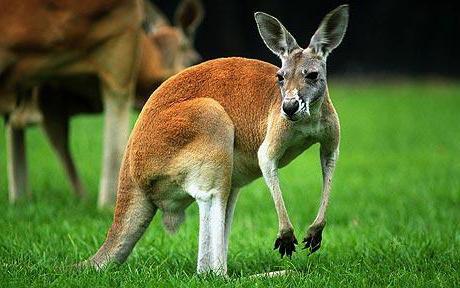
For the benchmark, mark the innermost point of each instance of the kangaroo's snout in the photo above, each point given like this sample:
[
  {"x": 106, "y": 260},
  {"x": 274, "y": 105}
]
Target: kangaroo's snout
[{"x": 290, "y": 107}]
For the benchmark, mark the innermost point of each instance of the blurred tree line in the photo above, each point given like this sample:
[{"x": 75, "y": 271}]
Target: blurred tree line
[{"x": 384, "y": 37}]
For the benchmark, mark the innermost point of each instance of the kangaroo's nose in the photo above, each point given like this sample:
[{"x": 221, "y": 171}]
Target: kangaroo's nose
[{"x": 290, "y": 106}]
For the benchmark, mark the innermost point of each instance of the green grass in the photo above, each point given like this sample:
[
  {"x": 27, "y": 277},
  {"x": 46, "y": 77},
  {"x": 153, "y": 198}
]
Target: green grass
[{"x": 394, "y": 217}]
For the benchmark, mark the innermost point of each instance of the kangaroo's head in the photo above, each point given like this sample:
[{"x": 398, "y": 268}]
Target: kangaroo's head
[
  {"x": 175, "y": 42},
  {"x": 302, "y": 77}
]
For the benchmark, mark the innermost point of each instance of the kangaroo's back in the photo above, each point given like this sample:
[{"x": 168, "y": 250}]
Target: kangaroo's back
[{"x": 245, "y": 88}]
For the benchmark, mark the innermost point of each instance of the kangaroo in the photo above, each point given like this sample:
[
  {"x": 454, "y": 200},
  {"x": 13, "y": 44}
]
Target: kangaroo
[
  {"x": 43, "y": 39},
  {"x": 213, "y": 128},
  {"x": 164, "y": 50},
  {"x": 167, "y": 48}
]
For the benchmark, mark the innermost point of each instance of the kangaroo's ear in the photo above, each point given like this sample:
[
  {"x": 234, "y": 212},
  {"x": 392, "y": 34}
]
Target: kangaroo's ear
[
  {"x": 153, "y": 18},
  {"x": 189, "y": 15},
  {"x": 330, "y": 32},
  {"x": 275, "y": 36}
]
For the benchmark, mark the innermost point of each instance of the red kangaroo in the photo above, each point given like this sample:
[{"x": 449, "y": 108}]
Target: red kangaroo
[{"x": 217, "y": 126}]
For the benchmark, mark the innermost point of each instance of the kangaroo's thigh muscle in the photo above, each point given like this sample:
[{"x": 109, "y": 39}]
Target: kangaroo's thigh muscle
[{"x": 191, "y": 135}]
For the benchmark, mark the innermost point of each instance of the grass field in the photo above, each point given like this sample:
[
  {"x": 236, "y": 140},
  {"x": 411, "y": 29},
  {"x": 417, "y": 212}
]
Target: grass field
[{"x": 394, "y": 217}]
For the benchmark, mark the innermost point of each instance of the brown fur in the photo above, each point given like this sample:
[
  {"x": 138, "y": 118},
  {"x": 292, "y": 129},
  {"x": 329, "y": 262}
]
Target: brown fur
[
  {"x": 45, "y": 40},
  {"x": 51, "y": 24},
  {"x": 245, "y": 97},
  {"x": 69, "y": 66}
]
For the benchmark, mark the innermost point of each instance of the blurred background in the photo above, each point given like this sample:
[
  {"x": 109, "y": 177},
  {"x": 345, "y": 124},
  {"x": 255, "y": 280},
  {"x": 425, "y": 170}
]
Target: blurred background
[{"x": 384, "y": 38}]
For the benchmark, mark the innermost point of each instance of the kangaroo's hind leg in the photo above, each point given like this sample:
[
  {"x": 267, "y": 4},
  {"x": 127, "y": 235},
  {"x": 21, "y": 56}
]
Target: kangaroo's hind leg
[
  {"x": 231, "y": 203},
  {"x": 208, "y": 162}
]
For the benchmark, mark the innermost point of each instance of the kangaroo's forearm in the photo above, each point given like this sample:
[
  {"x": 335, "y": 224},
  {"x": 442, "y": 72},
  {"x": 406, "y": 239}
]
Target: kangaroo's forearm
[
  {"x": 268, "y": 155},
  {"x": 328, "y": 161},
  {"x": 270, "y": 174}
]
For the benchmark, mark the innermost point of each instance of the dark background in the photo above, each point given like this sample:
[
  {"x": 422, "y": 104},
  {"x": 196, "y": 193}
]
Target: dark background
[{"x": 384, "y": 37}]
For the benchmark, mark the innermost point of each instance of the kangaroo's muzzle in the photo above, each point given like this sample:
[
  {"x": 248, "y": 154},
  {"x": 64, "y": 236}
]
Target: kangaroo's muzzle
[{"x": 290, "y": 107}]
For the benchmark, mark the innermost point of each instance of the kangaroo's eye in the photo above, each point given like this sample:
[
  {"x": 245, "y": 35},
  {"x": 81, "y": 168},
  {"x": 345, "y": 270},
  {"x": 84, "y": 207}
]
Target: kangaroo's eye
[
  {"x": 311, "y": 75},
  {"x": 280, "y": 78}
]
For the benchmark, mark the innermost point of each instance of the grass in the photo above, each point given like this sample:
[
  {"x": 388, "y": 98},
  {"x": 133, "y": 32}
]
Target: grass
[{"x": 394, "y": 218}]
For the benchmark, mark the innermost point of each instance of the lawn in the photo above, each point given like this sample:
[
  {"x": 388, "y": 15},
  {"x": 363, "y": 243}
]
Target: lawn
[{"x": 394, "y": 217}]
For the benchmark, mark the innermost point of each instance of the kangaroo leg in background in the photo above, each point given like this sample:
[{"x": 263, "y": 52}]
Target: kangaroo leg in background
[
  {"x": 117, "y": 96},
  {"x": 116, "y": 132},
  {"x": 56, "y": 126},
  {"x": 24, "y": 113},
  {"x": 16, "y": 162}
]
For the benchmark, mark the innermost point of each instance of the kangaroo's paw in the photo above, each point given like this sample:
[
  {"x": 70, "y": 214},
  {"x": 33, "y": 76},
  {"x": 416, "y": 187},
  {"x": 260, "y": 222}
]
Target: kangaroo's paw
[
  {"x": 313, "y": 239},
  {"x": 285, "y": 243}
]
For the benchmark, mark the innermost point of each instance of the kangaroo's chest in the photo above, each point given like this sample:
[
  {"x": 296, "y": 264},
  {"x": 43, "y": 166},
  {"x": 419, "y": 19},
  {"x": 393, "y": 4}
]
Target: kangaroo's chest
[
  {"x": 303, "y": 137},
  {"x": 245, "y": 164}
]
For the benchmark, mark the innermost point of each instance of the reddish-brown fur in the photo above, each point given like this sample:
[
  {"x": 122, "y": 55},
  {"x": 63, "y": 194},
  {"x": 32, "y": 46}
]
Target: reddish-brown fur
[
  {"x": 44, "y": 40},
  {"x": 245, "y": 88},
  {"x": 59, "y": 49},
  {"x": 52, "y": 24}
]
